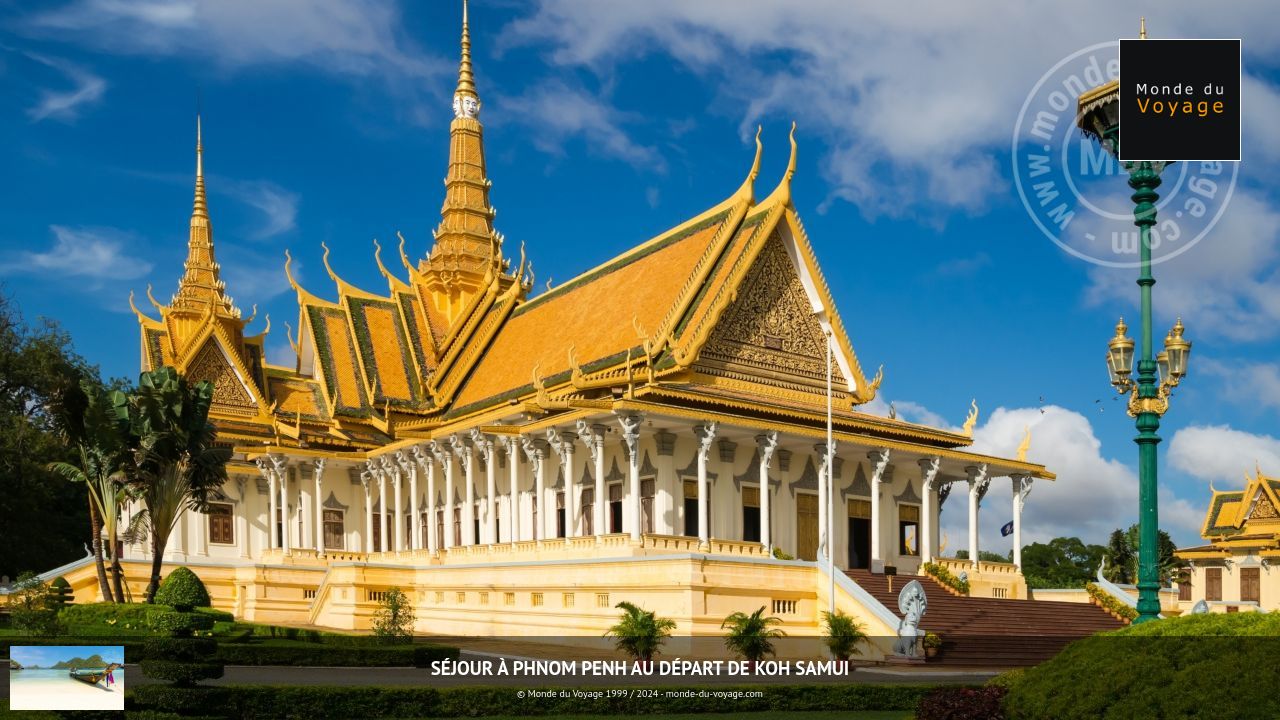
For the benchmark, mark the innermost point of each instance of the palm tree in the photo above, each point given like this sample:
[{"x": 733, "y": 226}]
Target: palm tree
[
  {"x": 751, "y": 635},
  {"x": 174, "y": 464},
  {"x": 85, "y": 418},
  {"x": 640, "y": 633},
  {"x": 844, "y": 635}
]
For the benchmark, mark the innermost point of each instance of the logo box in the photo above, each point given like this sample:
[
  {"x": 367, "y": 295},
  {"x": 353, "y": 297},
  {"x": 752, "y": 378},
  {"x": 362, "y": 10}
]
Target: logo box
[{"x": 1179, "y": 100}]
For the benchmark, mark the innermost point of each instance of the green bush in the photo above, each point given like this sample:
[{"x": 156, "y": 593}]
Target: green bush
[
  {"x": 349, "y": 656},
  {"x": 183, "y": 590},
  {"x": 944, "y": 576},
  {"x": 1109, "y": 602},
  {"x": 182, "y": 673},
  {"x": 217, "y": 615},
  {"x": 32, "y": 608},
  {"x": 260, "y": 701},
  {"x": 179, "y": 648},
  {"x": 180, "y": 624},
  {"x": 1182, "y": 667},
  {"x": 393, "y": 621}
]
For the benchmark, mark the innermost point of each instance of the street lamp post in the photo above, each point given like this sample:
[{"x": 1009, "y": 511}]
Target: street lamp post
[{"x": 1149, "y": 396}]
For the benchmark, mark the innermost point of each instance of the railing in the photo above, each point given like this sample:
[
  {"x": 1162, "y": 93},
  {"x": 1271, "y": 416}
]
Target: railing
[{"x": 986, "y": 567}]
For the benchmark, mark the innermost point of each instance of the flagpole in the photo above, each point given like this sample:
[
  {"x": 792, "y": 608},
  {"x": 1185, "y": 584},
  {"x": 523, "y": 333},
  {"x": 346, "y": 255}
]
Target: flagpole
[{"x": 830, "y": 499}]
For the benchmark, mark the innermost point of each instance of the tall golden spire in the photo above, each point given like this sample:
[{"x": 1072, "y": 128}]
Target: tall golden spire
[
  {"x": 201, "y": 287},
  {"x": 466, "y": 81},
  {"x": 467, "y": 248}
]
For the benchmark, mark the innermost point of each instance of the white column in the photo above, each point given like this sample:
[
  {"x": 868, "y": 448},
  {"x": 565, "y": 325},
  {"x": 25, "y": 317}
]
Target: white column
[
  {"x": 705, "y": 434},
  {"x": 593, "y": 439},
  {"x": 412, "y": 463},
  {"x": 384, "y": 536},
  {"x": 242, "y": 518},
  {"x": 767, "y": 443},
  {"x": 264, "y": 466},
  {"x": 928, "y": 478},
  {"x": 631, "y": 436},
  {"x": 282, "y": 474},
  {"x": 319, "y": 509},
  {"x": 879, "y": 461},
  {"x": 391, "y": 467},
  {"x": 449, "y": 470},
  {"x": 512, "y": 447},
  {"x": 1021, "y": 488},
  {"x": 366, "y": 480},
  {"x": 536, "y": 451},
  {"x": 433, "y": 539},
  {"x": 463, "y": 449},
  {"x": 202, "y": 539},
  {"x": 562, "y": 443},
  {"x": 978, "y": 482},
  {"x": 485, "y": 446}
]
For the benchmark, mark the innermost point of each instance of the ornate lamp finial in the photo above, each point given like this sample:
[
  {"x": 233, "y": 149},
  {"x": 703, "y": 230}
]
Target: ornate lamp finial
[{"x": 1142, "y": 28}]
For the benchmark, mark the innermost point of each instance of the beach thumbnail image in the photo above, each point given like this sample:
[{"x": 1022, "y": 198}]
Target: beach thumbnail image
[{"x": 66, "y": 677}]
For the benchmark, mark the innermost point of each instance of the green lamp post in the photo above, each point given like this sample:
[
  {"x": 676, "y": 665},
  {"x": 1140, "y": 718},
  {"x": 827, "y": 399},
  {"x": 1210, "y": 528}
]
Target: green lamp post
[{"x": 1098, "y": 117}]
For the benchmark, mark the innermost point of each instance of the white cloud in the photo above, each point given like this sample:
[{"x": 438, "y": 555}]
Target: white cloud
[
  {"x": 559, "y": 112},
  {"x": 359, "y": 39},
  {"x": 254, "y": 277},
  {"x": 66, "y": 105},
  {"x": 916, "y": 107},
  {"x": 1222, "y": 454},
  {"x": 1254, "y": 385},
  {"x": 94, "y": 253},
  {"x": 1228, "y": 286},
  {"x": 279, "y": 206}
]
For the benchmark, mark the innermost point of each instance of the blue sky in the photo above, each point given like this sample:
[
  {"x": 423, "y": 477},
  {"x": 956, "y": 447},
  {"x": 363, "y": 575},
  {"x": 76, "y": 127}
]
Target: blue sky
[
  {"x": 48, "y": 656},
  {"x": 607, "y": 122}
]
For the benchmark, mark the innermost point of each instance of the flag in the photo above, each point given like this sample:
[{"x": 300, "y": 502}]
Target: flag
[{"x": 1007, "y": 529}]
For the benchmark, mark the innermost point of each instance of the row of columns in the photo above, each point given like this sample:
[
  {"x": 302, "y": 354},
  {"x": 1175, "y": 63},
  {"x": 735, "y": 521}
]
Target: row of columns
[{"x": 424, "y": 459}]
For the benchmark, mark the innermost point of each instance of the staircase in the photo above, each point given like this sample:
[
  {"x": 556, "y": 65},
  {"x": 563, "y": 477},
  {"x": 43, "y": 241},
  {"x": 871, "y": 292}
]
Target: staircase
[{"x": 990, "y": 632}]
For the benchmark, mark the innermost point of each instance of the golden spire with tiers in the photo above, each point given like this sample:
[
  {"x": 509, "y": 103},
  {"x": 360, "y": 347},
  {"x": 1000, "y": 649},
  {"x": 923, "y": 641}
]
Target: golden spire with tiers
[
  {"x": 201, "y": 288},
  {"x": 467, "y": 251}
]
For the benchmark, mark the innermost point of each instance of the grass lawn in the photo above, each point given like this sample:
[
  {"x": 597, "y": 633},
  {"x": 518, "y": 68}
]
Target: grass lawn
[{"x": 819, "y": 715}]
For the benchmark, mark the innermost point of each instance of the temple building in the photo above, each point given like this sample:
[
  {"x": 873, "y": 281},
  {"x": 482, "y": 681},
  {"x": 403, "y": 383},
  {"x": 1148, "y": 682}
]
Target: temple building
[
  {"x": 1232, "y": 572},
  {"x": 653, "y": 430}
]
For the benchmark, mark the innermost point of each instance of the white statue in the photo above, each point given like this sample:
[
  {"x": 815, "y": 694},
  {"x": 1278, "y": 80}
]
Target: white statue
[
  {"x": 1200, "y": 608},
  {"x": 912, "y": 604},
  {"x": 466, "y": 106}
]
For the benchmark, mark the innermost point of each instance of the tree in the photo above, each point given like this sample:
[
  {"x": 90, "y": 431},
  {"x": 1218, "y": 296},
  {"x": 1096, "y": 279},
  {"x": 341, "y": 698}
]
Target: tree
[
  {"x": 87, "y": 421},
  {"x": 1121, "y": 558},
  {"x": 393, "y": 621},
  {"x": 32, "y": 606},
  {"x": 42, "y": 515},
  {"x": 174, "y": 463},
  {"x": 752, "y": 636},
  {"x": 844, "y": 635},
  {"x": 1166, "y": 563},
  {"x": 1064, "y": 562},
  {"x": 640, "y": 633},
  {"x": 986, "y": 556}
]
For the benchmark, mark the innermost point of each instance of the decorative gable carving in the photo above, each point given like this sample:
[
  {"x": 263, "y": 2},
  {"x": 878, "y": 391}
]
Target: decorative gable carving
[
  {"x": 211, "y": 364},
  {"x": 771, "y": 327},
  {"x": 1263, "y": 509}
]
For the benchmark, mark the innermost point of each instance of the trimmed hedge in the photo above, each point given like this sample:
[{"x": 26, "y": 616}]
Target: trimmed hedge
[
  {"x": 1108, "y": 602},
  {"x": 183, "y": 590},
  {"x": 180, "y": 623},
  {"x": 944, "y": 576},
  {"x": 260, "y": 701},
  {"x": 338, "y": 655},
  {"x": 1211, "y": 665}
]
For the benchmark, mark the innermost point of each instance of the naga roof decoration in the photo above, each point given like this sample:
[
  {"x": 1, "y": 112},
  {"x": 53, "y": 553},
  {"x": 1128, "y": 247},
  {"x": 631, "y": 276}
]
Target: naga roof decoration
[{"x": 726, "y": 314}]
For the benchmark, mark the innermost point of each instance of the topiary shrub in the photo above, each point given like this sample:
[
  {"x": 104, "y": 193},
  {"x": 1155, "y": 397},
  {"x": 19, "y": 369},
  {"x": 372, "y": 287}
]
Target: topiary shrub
[
  {"x": 1182, "y": 667},
  {"x": 962, "y": 703},
  {"x": 180, "y": 624},
  {"x": 183, "y": 590}
]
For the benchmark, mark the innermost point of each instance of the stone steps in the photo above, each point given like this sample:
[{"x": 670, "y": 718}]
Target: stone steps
[{"x": 992, "y": 632}]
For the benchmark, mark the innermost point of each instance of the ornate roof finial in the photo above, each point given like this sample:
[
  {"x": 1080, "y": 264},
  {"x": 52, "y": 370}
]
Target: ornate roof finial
[
  {"x": 1142, "y": 26},
  {"x": 201, "y": 209},
  {"x": 466, "y": 101}
]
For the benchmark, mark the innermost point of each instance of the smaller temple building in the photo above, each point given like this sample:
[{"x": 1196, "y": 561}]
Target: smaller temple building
[{"x": 1234, "y": 570}]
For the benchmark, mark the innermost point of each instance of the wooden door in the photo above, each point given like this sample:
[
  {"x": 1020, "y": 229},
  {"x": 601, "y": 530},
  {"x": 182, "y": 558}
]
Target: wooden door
[
  {"x": 1213, "y": 583},
  {"x": 1249, "y": 585},
  {"x": 807, "y": 526}
]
